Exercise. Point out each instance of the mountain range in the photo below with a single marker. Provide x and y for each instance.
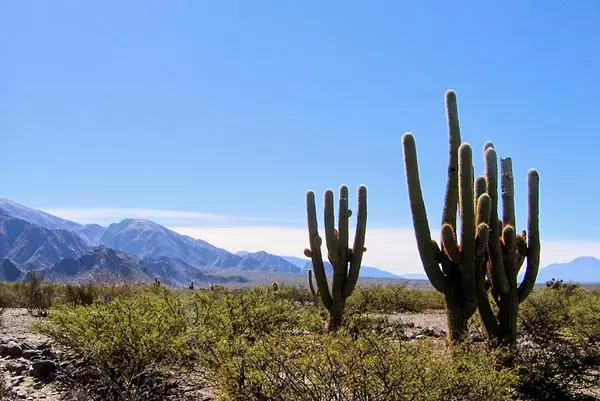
(141, 250)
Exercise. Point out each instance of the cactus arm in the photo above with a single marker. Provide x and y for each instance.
(482, 218)
(482, 237)
(467, 221)
(484, 206)
(508, 193)
(330, 237)
(314, 253)
(311, 286)
(451, 197)
(359, 242)
(343, 220)
(419, 215)
(340, 269)
(509, 239)
(450, 244)
(486, 313)
(521, 251)
(480, 189)
(498, 274)
(533, 237)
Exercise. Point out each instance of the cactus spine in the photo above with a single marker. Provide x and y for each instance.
(451, 269)
(339, 254)
(507, 251)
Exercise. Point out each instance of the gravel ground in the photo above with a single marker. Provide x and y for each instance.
(16, 326)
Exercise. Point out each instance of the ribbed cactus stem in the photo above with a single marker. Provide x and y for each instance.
(419, 215)
(496, 262)
(314, 253)
(311, 286)
(533, 237)
(508, 193)
(454, 139)
(345, 261)
(507, 251)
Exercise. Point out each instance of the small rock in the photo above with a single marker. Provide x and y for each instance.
(3, 350)
(30, 353)
(16, 367)
(14, 349)
(5, 340)
(43, 369)
(25, 346)
(47, 352)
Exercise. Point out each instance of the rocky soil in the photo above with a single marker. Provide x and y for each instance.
(28, 361)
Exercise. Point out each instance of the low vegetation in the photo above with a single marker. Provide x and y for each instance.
(152, 343)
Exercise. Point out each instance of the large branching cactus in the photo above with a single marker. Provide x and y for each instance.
(451, 268)
(507, 250)
(346, 261)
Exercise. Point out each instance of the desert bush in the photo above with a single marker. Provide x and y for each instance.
(80, 294)
(38, 297)
(559, 351)
(320, 367)
(122, 348)
(394, 299)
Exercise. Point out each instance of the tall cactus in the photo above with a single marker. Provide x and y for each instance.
(339, 254)
(507, 250)
(451, 269)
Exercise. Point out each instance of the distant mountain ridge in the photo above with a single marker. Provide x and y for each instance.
(584, 269)
(89, 232)
(32, 246)
(31, 239)
(109, 264)
(365, 271)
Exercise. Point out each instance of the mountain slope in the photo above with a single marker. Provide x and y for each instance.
(365, 271)
(266, 262)
(102, 264)
(300, 262)
(33, 246)
(146, 239)
(10, 271)
(585, 269)
(89, 232)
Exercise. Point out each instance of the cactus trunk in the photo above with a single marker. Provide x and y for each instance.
(459, 311)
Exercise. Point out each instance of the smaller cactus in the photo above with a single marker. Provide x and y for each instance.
(345, 261)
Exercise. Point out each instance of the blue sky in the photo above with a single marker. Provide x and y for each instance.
(236, 108)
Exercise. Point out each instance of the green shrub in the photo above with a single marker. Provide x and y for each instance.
(394, 299)
(38, 297)
(124, 347)
(80, 294)
(320, 367)
(559, 354)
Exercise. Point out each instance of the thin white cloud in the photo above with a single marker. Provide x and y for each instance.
(392, 249)
(106, 216)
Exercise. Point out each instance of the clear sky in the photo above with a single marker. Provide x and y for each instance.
(236, 108)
